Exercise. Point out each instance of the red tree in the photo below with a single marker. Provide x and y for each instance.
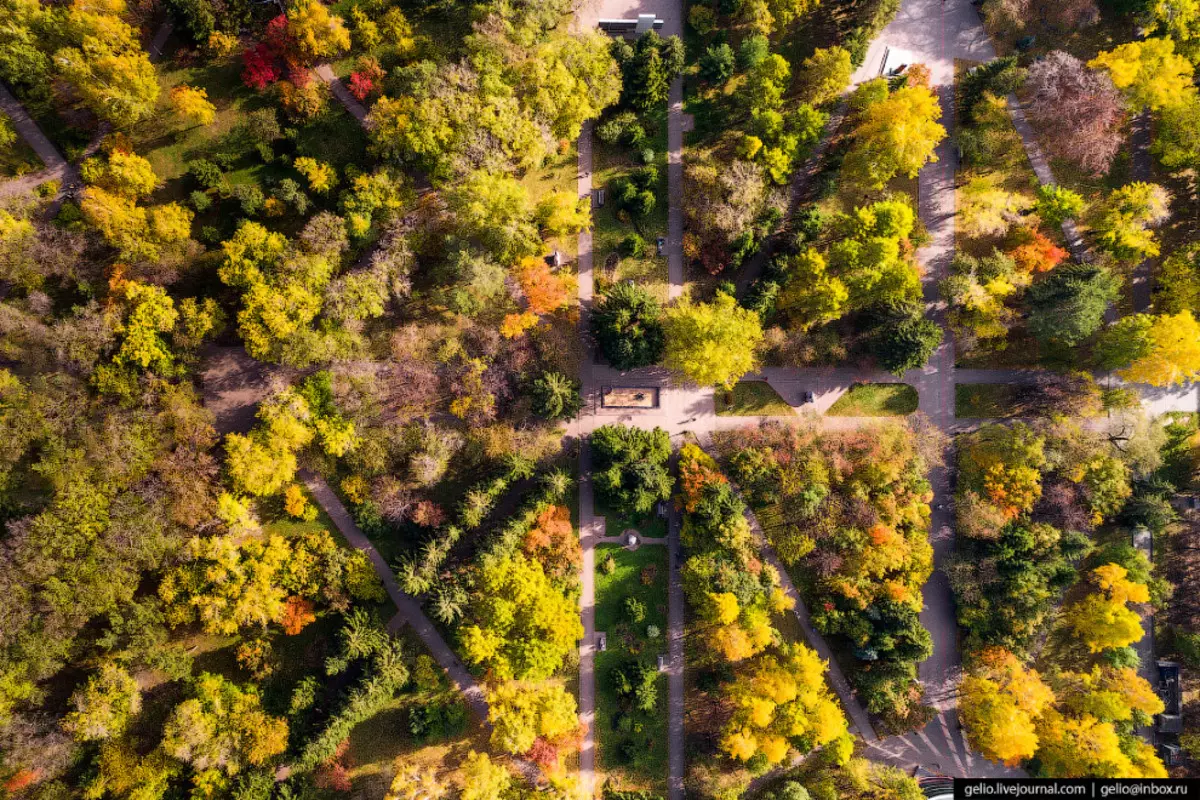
(260, 67)
(334, 773)
(360, 86)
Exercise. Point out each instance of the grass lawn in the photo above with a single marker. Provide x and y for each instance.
(876, 400)
(616, 521)
(609, 163)
(983, 400)
(637, 758)
(752, 399)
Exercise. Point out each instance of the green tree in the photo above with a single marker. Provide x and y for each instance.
(1069, 305)
(555, 396)
(1056, 204)
(905, 342)
(711, 343)
(648, 67)
(766, 83)
(631, 466)
(717, 63)
(8, 134)
(627, 323)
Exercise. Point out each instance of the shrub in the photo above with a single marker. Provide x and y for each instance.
(717, 63)
(249, 196)
(200, 201)
(635, 610)
(205, 173)
(633, 246)
(753, 51)
(622, 127)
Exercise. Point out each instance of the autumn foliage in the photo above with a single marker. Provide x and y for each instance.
(1037, 254)
(297, 614)
(545, 291)
(553, 541)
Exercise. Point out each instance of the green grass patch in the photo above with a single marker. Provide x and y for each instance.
(751, 399)
(632, 744)
(983, 400)
(616, 521)
(876, 400)
(609, 229)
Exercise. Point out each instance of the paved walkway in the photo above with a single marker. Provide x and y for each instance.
(356, 109)
(56, 166)
(1041, 168)
(590, 529)
(408, 610)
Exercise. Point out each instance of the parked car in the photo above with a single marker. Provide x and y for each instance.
(807, 398)
(660, 245)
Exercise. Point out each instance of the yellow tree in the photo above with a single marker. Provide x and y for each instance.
(825, 74)
(151, 313)
(318, 34)
(483, 779)
(1000, 703)
(120, 172)
(1173, 352)
(712, 343)
(1101, 619)
(415, 782)
(226, 586)
(1150, 73)
(222, 729)
(896, 135)
(522, 713)
(192, 105)
(781, 699)
(1089, 747)
(321, 176)
(105, 64)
